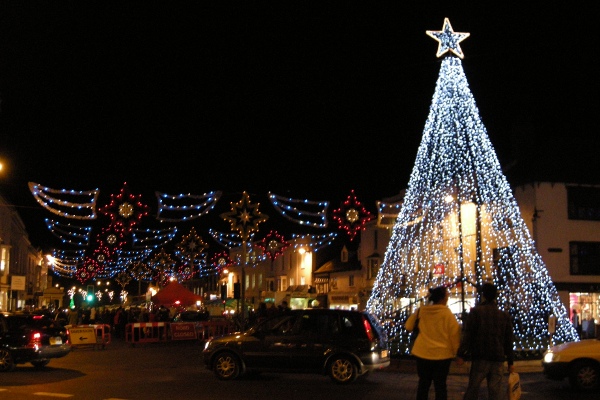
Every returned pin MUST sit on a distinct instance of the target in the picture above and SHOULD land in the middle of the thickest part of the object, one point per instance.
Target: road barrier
(146, 332)
(154, 332)
(209, 329)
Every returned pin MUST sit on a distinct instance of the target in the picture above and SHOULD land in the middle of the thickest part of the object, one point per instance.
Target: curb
(409, 366)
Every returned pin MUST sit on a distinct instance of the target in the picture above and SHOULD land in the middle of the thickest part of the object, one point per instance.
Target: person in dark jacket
(488, 340)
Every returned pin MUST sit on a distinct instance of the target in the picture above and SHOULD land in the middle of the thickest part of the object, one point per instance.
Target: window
(4, 258)
(372, 268)
(351, 280)
(583, 203)
(585, 258)
(282, 284)
(344, 255)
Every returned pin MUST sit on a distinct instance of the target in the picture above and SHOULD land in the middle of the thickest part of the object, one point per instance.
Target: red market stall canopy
(175, 292)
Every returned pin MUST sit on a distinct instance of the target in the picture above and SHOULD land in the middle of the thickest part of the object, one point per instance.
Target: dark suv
(30, 338)
(340, 343)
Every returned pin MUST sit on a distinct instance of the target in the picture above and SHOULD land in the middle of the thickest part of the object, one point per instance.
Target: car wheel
(227, 366)
(7, 363)
(585, 375)
(40, 364)
(342, 370)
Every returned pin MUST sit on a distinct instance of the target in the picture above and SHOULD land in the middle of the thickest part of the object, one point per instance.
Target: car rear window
(37, 322)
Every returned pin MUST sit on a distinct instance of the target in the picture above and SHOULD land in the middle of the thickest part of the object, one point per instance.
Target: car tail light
(368, 330)
(35, 340)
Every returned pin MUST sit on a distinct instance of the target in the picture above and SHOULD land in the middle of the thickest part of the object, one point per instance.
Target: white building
(564, 221)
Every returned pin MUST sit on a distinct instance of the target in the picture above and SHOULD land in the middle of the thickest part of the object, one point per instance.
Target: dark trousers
(435, 371)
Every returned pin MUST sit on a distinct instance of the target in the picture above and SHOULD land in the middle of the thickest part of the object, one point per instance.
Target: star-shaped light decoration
(141, 272)
(123, 278)
(273, 245)
(448, 40)
(244, 217)
(352, 216)
(191, 246)
(163, 266)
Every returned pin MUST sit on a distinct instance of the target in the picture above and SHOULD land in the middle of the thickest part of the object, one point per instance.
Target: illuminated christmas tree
(460, 226)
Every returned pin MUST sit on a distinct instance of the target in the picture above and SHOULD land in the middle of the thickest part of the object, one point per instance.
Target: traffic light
(223, 292)
(90, 293)
(236, 291)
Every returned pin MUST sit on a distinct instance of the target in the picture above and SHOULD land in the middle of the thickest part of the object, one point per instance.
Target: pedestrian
(283, 307)
(73, 317)
(488, 341)
(576, 322)
(437, 343)
(272, 310)
(591, 328)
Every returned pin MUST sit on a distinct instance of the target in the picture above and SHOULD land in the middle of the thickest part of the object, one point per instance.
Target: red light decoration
(352, 216)
(273, 245)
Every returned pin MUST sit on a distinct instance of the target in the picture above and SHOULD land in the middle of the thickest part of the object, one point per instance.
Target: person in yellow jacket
(437, 343)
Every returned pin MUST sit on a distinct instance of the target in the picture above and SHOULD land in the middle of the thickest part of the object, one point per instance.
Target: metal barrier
(209, 329)
(97, 335)
(146, 332)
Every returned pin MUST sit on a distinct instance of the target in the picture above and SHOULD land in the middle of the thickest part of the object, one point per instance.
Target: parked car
(192, 316)
(577, 361)
(29, 338)
(343, 344)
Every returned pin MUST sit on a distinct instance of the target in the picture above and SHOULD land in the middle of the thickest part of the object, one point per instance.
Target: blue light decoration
(152, 238)
(314, 242)
(460, 226)
(68, 233)
(185, 207)
(76, 204)
(313, 213)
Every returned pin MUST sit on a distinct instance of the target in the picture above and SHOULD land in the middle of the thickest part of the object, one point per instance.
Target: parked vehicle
(192, 316)
(340, 343)
(30, 338)
(577, 361)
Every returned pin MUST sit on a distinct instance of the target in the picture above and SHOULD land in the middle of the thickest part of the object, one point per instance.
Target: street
(175, 370)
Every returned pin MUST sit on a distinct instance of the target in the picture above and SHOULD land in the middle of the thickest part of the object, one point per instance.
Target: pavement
(409, 366)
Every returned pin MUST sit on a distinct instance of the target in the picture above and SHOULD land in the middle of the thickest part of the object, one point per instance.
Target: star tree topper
(244, 217)
(448, 40)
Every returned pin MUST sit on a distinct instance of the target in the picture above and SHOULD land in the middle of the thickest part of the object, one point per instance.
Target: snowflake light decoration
(352, 216)
(125, 210)
(273, 245)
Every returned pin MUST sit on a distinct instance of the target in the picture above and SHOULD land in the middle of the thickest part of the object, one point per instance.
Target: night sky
(304, 99)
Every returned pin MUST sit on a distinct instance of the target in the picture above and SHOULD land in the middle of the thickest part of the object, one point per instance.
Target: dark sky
(301, 98)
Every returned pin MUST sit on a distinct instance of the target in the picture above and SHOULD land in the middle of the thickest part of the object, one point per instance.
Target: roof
(337, 265)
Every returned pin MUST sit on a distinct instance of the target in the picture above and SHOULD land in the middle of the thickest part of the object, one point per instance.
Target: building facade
(23, 274)
(564, 221)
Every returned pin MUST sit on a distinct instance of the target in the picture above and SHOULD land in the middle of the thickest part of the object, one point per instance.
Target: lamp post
(244, 217)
